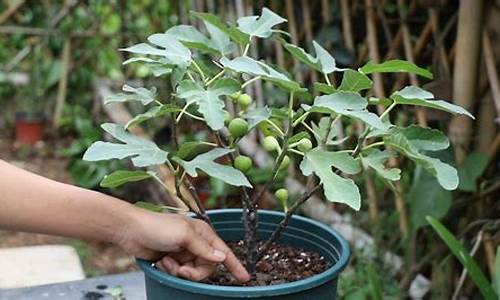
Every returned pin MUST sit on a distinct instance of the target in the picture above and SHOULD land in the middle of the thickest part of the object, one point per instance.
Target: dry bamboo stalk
(491, 70)
(346, 25)
(395, 44)
(63, 83)
(278, 49)
(13, 7)
(420, 112)
(371, 29)
(325, 11)
(434, 21)
(465, 73)
(363, 52)
(489, 250)
(308, 32)
(292, 28)
(485, 124)
(423, 38)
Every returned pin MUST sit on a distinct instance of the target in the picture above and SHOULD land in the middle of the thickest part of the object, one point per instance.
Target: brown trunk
(465, 73)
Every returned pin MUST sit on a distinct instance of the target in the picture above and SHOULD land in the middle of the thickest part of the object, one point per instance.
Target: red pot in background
(29, 128)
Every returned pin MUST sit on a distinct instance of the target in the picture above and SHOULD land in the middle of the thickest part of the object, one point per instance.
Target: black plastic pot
(301, 232)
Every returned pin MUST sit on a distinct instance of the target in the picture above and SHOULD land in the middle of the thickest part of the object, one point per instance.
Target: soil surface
(281, 264)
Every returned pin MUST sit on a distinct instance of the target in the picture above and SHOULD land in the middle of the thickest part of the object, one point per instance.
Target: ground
(97, 258)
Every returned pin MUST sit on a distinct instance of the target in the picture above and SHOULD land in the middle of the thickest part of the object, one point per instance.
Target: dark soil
(281, 264)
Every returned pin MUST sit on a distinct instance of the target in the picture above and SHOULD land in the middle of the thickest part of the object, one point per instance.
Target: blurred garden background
(60, 59)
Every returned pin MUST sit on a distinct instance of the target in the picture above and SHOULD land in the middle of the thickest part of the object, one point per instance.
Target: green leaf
(336, 188)
(121, 177)
(234, 33)
(324, 88)
(141, 94)
(322, 130)
(260, 26)
(411, 140)
(393, 66)
(355, 82)
(250, 66)
(189, 150)
(143, 152)
(255, 116)
(208, 100)
(352, 105)
(413, 95)
(427, 198)
(298, 136)
(153, 112)
(192, 38)
(376, 159)
(472, 168)
(465, 259)
(323, 62)
(219, 39)
(176, 52)
(205, 162)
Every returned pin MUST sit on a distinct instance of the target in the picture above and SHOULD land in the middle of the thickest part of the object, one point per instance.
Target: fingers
(169, 265)
(231, 262)
(192, 270)
(197, 273)
(201, 248)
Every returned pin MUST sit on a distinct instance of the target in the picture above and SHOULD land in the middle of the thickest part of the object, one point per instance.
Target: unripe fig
(244, 100)
(238, 127)
(243, 163)
(305, 145)
(270, 143)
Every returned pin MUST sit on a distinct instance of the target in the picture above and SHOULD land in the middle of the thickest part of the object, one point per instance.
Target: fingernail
(219, 254)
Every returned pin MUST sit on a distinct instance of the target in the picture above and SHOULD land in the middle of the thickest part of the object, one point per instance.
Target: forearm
(29, 202)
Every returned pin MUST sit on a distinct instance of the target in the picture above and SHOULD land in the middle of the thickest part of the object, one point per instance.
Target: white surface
(37, 265)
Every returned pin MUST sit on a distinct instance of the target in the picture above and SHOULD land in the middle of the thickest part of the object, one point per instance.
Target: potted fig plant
(290, 257)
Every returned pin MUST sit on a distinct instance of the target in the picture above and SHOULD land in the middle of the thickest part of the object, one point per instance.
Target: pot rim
(259, 291)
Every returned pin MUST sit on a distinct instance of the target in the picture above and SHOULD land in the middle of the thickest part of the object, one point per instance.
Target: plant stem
(284, 223)
(246, 49)
(183, 111)
(200, 71)
(327, 79)
(291, 211)
(217, 76)
(373, 145)
(244, 85)
(275, 127)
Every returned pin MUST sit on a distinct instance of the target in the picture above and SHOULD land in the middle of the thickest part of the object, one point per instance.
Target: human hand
(182, 246)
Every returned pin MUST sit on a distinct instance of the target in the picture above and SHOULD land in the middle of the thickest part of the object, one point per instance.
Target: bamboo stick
(346, 25)
(434, 21)
(465, 73)
(485, 124)
(63, 83)
(371, 29)
(325, 11)
(491, 70)
(13, 7)
(308, 32)
(292, 28)
(420, 112)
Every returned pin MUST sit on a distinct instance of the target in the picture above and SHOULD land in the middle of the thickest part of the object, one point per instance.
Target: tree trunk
(465, 73)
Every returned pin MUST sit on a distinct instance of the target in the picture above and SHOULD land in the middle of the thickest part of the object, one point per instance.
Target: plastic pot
(302, 232)
(29, 128)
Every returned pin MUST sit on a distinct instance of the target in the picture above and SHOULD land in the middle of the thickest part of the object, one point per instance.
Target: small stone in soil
(281, 264)
(92, 295)
(101, 287)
